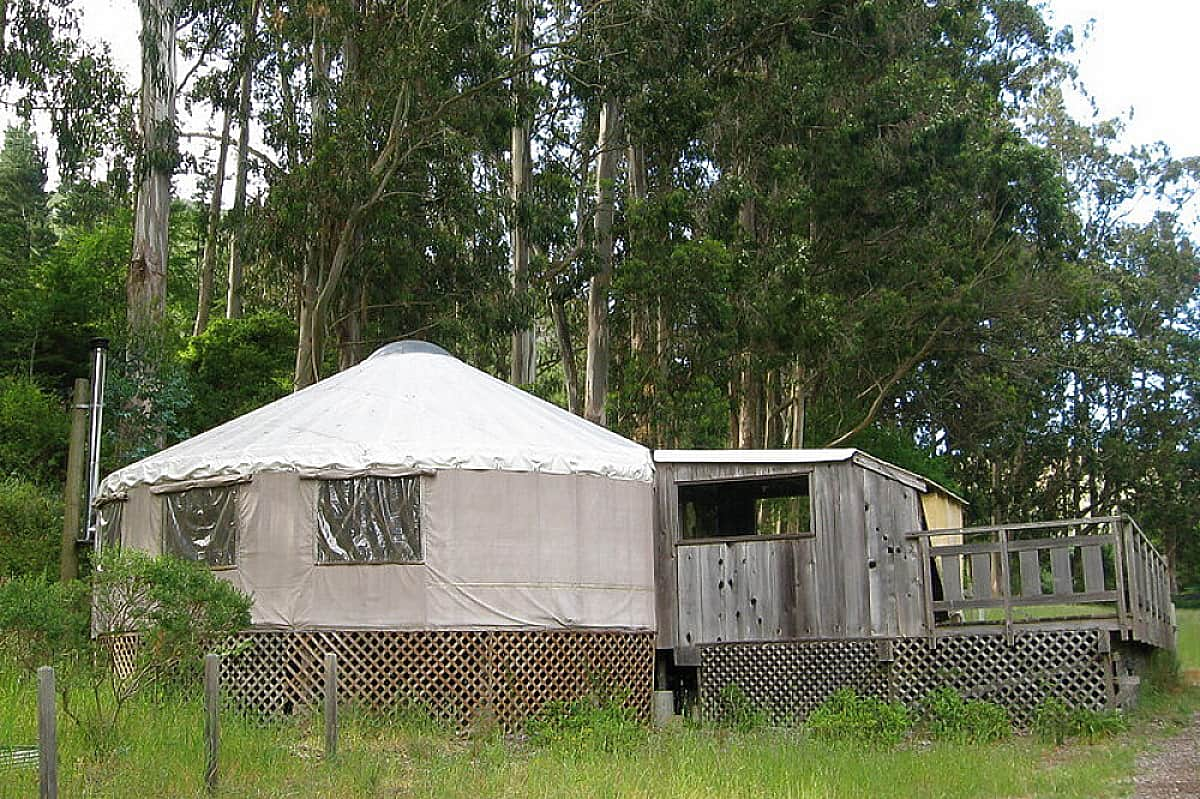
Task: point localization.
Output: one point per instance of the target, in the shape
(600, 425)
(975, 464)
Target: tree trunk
(233, 301)
(209, 261)
(146, 286)
(567, 353)
(596, 390)
(523, 367)
(799, 406)
(641, 315)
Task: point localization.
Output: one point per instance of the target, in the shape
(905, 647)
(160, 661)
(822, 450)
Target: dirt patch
(1172, 767)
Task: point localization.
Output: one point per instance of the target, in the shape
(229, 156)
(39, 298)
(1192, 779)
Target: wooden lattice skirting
(789, 679)
(455, 675)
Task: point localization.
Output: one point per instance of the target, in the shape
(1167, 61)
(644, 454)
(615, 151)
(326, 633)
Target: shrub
(1054, 721)
(589, 724)
(237, 365)
(45, 623)
(846, 716)
(33, 432)
(178, 608)
(949, 717)
(30, 528)
(737, 711)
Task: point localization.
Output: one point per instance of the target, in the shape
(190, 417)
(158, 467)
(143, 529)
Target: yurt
(457, 542)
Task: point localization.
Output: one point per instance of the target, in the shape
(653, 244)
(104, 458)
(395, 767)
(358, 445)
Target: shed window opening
(200, 524)
(369, 520)
(108, 523)
(766, 507)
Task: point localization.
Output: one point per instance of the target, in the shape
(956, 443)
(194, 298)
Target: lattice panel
(1066, 664)
(453, 674)
(790, 679)
(122, 648)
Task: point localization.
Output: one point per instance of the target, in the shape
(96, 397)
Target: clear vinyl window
(369, 520)
(200, 524)
(763, 507)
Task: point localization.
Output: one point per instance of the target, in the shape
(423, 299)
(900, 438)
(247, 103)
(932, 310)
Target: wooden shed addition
(795, 572)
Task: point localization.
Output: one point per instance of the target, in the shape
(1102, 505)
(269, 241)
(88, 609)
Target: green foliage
(1054, 721)
(30, 528)
(33, 432)
(737, 711)
(948, 716)
(846, 716)
(237, 365)
(179, 608)
(587, 725)
(44, 622)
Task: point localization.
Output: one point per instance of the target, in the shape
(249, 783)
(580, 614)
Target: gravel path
(1171, 769)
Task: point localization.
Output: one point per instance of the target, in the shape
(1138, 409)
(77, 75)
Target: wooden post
(47, 734)
(212, 702)
(68, 561)
(331, 705)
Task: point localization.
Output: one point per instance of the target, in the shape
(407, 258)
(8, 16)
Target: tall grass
(160, 753)
(1187, 640)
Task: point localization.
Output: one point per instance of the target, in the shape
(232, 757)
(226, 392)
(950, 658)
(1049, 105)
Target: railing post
(212, 706)
(1119, 555)
(1005, 583)
(47, 735)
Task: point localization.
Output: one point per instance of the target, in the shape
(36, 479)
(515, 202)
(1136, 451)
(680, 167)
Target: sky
(1138, 59)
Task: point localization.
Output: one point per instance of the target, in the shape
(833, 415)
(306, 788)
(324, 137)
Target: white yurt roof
(410, 405)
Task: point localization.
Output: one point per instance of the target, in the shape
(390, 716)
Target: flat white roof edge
(753, 455)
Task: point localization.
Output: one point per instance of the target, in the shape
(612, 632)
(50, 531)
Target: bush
(1054, 721)
(237, 365)
(737, 711)
(45, 623)
(30, 528)
(178, 608)
(34, 429)
(949, 717)
(589, 724)
(846, 716)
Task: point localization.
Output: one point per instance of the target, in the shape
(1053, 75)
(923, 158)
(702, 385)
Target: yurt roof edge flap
(410, 405)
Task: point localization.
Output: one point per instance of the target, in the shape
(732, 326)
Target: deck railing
(1102, 568)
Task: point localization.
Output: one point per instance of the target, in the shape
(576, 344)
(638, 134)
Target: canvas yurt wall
(460, 540)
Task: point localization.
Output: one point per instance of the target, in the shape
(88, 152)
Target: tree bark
(209, 261)
(596, 391)
(523, 366)
(233, 301)
(146, 286)
(567, 353)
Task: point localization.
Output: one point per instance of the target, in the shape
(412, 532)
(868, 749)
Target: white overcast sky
(1140, 57)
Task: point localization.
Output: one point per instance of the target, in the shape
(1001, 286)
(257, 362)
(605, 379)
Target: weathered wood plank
(981, 576)
(877, 581)
(831, 586)
(1060, 571)
(1045, 599)
(806, 619)
(1093, 569)
(1031, 573)
(690, 597)
(851, 527)
(952, 577)
(909, 601)
(666, 533)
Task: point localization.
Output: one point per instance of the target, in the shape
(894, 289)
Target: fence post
(331, 705)
(47, 735)
(212, 705)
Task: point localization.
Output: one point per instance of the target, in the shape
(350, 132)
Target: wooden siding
(768, 589)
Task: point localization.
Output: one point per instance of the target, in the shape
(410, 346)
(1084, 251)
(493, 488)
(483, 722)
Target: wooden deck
(1077, 573)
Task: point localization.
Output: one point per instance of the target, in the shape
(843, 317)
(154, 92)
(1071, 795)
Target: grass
(160, 753)
(1188, 638)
